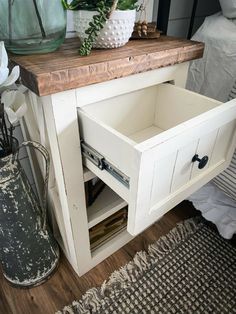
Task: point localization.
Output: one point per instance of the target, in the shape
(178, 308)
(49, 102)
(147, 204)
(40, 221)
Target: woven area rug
(191, 270)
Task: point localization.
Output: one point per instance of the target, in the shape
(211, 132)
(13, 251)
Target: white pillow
(228, 8)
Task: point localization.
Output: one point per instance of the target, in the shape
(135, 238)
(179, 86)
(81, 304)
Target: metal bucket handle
(46, 156)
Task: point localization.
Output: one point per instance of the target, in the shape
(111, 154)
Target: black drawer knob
(202, 162)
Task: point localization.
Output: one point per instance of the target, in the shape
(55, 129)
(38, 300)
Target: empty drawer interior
(145, 113)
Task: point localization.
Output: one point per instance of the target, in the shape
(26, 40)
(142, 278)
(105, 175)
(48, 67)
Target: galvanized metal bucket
(28, 250)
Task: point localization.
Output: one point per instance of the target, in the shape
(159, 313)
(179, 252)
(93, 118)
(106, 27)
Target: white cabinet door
(149, 137)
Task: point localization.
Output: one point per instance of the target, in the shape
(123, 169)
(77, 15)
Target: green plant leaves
(95, 26)
(127, 4)
(94, 5)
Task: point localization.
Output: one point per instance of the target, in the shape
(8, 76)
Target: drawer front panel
(204, 148)
(160, 168)
(162, 178)
(165, 179)
(223, 142)
(177, 171)
(183, 166)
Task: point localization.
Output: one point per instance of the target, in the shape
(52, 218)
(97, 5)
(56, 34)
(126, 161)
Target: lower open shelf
(110, 246)
(106, 204)
(108, 228)
(107, 216)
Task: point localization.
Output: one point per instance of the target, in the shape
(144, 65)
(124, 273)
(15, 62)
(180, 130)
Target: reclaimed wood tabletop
(65, 69)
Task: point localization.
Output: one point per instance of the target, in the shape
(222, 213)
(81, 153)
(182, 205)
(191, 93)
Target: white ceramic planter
(115, 33)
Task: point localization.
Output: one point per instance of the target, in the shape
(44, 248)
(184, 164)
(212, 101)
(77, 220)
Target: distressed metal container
(28, 250)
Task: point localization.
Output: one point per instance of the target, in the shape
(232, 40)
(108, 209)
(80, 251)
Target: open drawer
(156, 146)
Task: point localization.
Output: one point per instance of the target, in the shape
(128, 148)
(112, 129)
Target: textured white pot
(115, 33)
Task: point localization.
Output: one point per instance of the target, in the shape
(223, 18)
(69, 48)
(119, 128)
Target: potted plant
(102, 23)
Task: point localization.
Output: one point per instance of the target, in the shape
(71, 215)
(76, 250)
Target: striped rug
(191, 270)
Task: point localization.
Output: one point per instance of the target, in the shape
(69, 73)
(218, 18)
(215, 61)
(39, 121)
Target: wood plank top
(64, 69)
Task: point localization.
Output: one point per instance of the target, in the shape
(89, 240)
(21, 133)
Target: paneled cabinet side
(63, 133)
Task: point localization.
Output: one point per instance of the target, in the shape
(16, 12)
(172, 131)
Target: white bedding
(214, 76)
(216, 207)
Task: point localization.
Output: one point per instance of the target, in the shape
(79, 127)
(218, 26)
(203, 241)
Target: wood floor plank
(4, 305)
(65, 286)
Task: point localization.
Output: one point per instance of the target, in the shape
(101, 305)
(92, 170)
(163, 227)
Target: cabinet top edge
(64, 69)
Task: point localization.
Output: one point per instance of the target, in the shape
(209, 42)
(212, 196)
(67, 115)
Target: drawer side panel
(109, 143)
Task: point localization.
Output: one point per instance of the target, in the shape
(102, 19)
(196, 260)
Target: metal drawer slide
(99, 161)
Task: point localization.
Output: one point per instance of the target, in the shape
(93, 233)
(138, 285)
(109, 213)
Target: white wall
(180, 13)
(179, 19)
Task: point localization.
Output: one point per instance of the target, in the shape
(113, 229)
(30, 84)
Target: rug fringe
(120, 279)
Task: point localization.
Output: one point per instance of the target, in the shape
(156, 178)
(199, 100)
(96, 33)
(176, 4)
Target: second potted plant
(103, 23)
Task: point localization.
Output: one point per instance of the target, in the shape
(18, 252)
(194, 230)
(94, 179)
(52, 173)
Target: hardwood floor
(65, 286)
